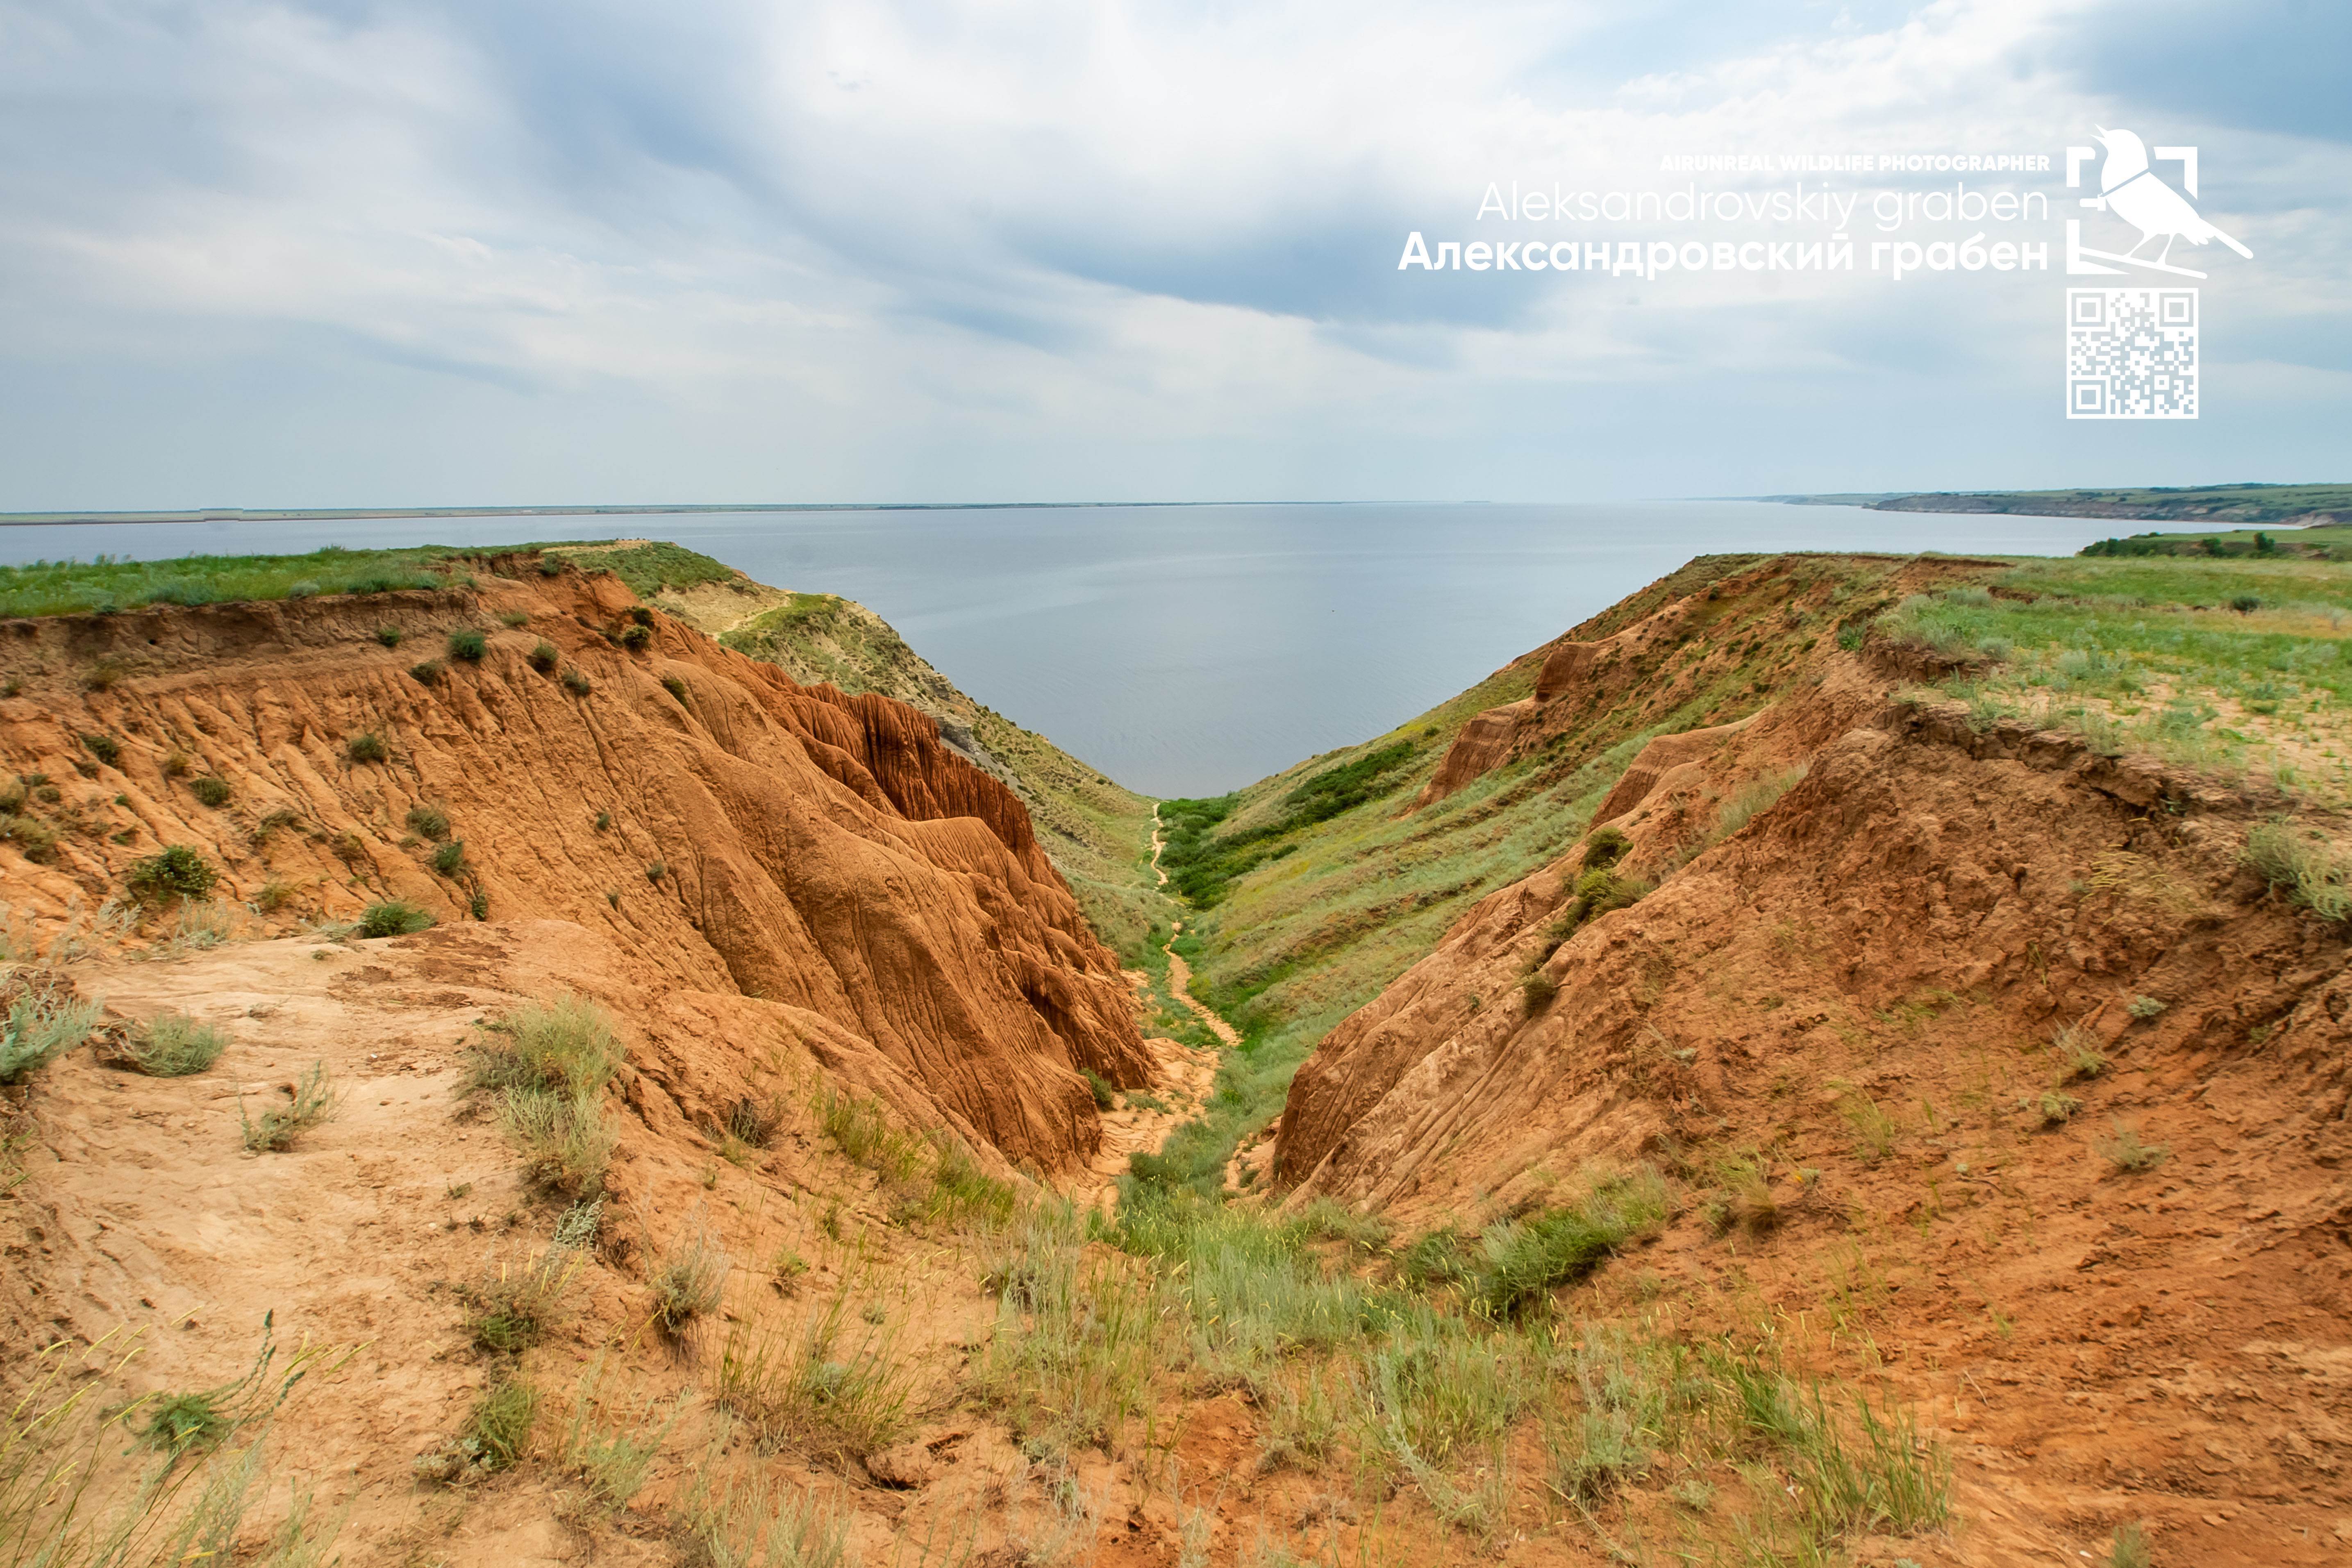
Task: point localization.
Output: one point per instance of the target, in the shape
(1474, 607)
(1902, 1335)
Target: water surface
(1183, 650)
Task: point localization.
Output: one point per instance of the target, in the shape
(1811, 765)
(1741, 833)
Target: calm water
(1186, 650)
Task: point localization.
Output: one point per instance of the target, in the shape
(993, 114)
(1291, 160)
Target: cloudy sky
(268, 253)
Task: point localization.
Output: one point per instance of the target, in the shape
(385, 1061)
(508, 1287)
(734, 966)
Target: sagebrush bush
(576, 683)
(427, 673)
(389, 635)
(42, 1023)
(469, 645)
(450, 860)
(172, 1044)
(365, 748)
(315, 1099)
(544, 658)
(394, 917)
(177, 871)
(687, 1282)
(105, 748)
(211, 790)
(429, 821)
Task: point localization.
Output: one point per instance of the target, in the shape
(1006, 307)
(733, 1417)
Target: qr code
(2131, 353)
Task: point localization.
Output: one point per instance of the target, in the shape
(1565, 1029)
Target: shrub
(177, 871)
(2078, 1059)
(686, 1283)
(656, 871)
(315, 1099)
(550, 1077)
(1537, 991)
(211, 790)
(576, 683)
(1436, 1258)
(2144, 1008)
(349, 848)
(641, 615)
(103, 675)
(450, 858)
(272, 821)
(34, 839)
(274, 896)
(394, 917)
(2057, 1109)
(544, 658)
(2246, 604)
(469, 645)
(2127, 1153)
(511, 1310)
(511, 619)
(2314, 877)
(2129, 1549)
(636, 638)
(603, 821)
(42, 1023)
(427, 673)
(173, 1045)
(105, 748)
(1105, 1094)
(429, 821)
(503, 1418)
(389, 635)
(1604, 849)
(551, 566)
(675, 687)
(479, 906)
(175, 765)
(365, 748)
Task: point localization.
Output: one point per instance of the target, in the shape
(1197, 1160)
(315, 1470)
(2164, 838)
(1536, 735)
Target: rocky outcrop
(724, 828)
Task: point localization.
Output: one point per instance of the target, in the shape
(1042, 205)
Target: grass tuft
(172, 1044)
(394, 917)
(315, 1099)
(43, 1022)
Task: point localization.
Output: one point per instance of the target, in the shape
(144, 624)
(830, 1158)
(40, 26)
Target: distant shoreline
(360, 514)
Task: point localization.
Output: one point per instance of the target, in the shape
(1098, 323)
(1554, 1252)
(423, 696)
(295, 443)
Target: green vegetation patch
(647, 569)
(105, 584)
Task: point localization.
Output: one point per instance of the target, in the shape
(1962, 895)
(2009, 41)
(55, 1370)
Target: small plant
(274, 896)
(365, 748)
(675, 687)
(503, 1418)
(788, 1268)
(1874, 1127)
(349, 848)
(612, 1458)
(544, 658)
(450, 860)
(2057, 1110)
(175, 765)
(2144, 1008)
(2127, 1153)
(478, 906)
(551, 566)
(394, 917)
(177, 871)
(603, 821)
(43, 1023)
(2078, 1060)
(314, 1100)
(1525, 1260)
(2246, 604)
(429, 821)
(105, 748)
(1105, 1092)
(641, 615)
(1537, 991)
(513, 1308)
(428, 673)
(173, 1045)
(2314, 877)
(211, 790)
(179, 1422)
(550, 1081)
(636, 638)
(2129, 1549)
(576, 683)
(1604, 849)
(752, 1123)
(687, 1282)
(513, 619)
(656, 871)
(467, 644)
(389, 635)
(103, 675)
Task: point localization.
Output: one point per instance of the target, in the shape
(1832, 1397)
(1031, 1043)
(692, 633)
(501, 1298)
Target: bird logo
(2130, 188)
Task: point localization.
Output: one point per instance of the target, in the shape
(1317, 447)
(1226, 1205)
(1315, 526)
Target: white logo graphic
(2131, 353)
(2130, 188)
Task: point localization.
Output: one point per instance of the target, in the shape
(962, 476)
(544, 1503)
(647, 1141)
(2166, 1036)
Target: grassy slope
(2247, 503)
(1335, 910)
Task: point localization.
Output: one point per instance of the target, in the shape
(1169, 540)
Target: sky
(525, 252)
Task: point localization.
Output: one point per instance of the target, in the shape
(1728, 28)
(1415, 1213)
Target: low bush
(314, 1099)
(637, 639)
(1525, 1260)
(1537, 991)
(427, 673)
(365, 748)
(656, 871)
(641, 615)
(2078, 1057)
(550, 1075)
(450, 860)
(394, 917)
(172, 1044)
(2127, 1153)
(177, 871)
(43, 1023)
(2313, 874)
(2144, 1008)
(1106, 1093)
(544, 658)
(1604, 849)
(2056, 1108)
(467, 644)
(429, 821)
(675, 687)
(513, 619)
(36, 840)
(105, 748)
(513, 1307)
(687, 1282)
(211, 790)
(389, 635)
(576, 683)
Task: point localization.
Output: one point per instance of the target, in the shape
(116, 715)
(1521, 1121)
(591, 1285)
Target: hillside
(1969, 965)
(2232, 506)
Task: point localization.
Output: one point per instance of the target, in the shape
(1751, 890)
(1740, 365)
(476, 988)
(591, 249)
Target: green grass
(548, 1062)
(829, 1391)
(71, 588)
(648, 569)
(43, 1023)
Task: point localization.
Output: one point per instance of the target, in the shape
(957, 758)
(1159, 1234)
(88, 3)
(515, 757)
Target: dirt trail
(1180, 973)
